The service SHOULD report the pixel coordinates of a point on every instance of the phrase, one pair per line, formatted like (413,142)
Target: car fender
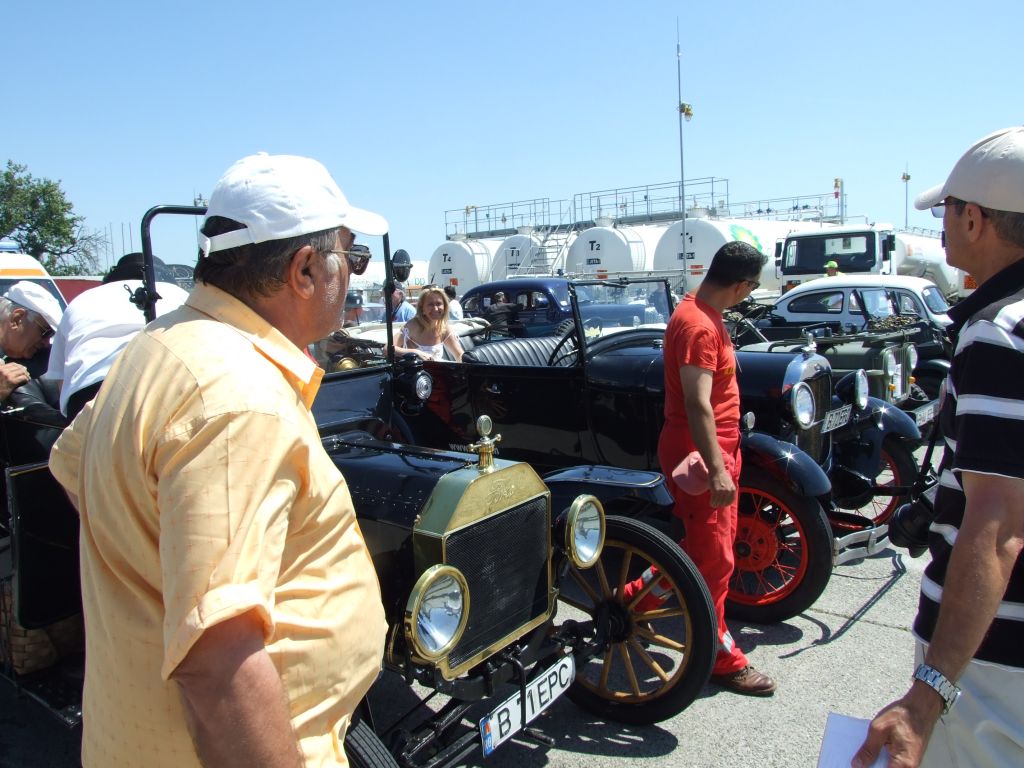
(892,420)
(616,488)
(794,468)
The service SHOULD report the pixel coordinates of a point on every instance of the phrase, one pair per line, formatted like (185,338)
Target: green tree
(36,215)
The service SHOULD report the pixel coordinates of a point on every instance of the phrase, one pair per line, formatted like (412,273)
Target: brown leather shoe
(748,681)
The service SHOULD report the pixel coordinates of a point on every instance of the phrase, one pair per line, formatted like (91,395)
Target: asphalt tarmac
(851,653)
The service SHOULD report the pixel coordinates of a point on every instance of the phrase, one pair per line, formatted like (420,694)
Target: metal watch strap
(931,677)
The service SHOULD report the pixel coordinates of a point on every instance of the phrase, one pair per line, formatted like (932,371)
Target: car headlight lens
(584,531)
(912,357)
(801,400)
(437,610)
(889,362)
(424,385)
(860,389)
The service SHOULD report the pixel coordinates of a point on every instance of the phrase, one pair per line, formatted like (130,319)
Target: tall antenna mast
(679,94)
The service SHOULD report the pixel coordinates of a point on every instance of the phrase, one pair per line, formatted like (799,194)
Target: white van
(20,266)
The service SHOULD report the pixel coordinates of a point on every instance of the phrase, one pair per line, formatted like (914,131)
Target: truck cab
(869,249)
(863,250)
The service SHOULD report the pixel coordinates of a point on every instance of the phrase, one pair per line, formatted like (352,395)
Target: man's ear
(976,221)
(301,271)
(18,315)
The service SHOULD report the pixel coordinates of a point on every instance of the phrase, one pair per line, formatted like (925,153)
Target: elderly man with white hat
(233,616)
(965,705)
(29,315)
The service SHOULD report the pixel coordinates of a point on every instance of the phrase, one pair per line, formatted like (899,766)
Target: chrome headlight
(912,357)
(437,611)
(889,362)
(423,386)
(584,531)
(801,401)
(860,389)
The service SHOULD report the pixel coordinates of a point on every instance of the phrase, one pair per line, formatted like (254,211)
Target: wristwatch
(931,677)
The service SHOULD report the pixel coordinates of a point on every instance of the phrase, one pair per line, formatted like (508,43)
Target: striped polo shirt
(983,420)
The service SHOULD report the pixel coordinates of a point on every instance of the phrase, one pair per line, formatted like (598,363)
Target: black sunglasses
(358,257)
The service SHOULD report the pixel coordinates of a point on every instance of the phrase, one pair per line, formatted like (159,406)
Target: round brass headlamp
(584,531)
(437,611)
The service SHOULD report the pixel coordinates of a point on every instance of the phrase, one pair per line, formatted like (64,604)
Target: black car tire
(632,680)
(783,551)
(364,750)
(899,460)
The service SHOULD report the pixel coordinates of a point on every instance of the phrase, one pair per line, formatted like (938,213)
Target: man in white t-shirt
(97,325)
(454,306)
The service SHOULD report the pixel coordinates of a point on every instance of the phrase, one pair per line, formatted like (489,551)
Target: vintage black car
(596,394)
(502,589)
(542,304)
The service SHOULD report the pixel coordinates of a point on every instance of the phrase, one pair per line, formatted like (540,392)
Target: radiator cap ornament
(484,447)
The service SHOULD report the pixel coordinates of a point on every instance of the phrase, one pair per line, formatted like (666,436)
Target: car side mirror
(401,265)
(888,246)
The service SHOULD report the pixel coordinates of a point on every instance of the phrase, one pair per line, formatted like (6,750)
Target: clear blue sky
(417,108)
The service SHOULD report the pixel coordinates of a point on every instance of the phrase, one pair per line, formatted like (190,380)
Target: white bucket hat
(33,296)
(282,196)
(990,174)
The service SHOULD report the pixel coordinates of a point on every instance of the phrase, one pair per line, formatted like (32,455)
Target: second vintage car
(596,394)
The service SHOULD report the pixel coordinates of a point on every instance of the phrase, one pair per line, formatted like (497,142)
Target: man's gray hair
(1009,225)
(7,306)
(255,269)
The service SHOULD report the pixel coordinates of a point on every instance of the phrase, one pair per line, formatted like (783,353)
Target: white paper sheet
(843,737)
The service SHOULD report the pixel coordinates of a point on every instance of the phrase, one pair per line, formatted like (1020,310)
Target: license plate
(924,414)
(506,720)
(837,418)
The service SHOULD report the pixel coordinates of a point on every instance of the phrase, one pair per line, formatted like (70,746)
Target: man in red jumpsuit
(702,413)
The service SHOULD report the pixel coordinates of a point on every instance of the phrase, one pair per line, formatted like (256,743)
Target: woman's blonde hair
(440,326)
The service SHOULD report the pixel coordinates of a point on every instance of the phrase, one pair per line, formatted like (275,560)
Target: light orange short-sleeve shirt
(204,493)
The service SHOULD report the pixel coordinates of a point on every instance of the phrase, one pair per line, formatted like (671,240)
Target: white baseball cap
(33,296)
(990,174)
(282,196)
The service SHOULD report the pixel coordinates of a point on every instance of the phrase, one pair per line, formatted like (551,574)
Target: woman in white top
(428,334)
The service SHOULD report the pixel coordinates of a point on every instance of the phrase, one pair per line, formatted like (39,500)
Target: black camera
(909,524)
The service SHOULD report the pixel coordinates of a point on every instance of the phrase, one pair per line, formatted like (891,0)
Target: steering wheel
(565,349)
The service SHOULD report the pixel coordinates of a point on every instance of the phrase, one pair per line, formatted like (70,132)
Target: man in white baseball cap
(29,315)
(235,616)
(970,626)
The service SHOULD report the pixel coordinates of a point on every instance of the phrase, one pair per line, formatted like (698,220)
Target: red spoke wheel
(658,656)
(783,551)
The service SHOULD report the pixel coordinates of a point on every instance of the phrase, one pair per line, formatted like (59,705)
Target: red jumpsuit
(696,336)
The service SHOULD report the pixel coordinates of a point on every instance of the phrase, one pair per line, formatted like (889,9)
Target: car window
(935,300)
(46,283)
(539,300)
(877,300)
(472,304)
(816,303)
(908,304)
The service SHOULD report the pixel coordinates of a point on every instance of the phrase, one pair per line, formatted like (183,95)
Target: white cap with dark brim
(33,296)
(282,196)
(990,174)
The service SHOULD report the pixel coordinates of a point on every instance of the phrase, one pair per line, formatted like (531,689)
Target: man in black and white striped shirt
(970,621)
